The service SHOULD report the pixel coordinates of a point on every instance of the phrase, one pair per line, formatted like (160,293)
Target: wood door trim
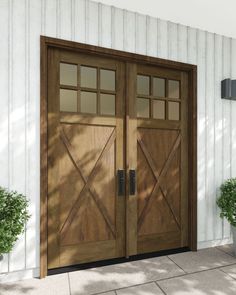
(48,42)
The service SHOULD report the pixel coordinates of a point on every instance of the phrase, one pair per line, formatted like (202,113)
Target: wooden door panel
(86,217)
(159,242)
(92,214)
(157,211)
(89,252)
(88,224)
(87,220)
(161,160)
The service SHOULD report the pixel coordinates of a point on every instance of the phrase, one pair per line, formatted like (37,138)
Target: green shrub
(13,216)
(227,201)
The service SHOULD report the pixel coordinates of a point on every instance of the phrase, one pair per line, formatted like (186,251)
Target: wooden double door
(117,158)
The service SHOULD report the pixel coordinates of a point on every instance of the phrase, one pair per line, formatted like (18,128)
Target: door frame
(48,42)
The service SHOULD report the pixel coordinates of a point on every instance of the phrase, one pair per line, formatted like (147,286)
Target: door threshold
(114,261)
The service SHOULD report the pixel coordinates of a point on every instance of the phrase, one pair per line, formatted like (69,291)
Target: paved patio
(209,271)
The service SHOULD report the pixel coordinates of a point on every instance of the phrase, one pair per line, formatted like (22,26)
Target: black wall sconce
(228,89)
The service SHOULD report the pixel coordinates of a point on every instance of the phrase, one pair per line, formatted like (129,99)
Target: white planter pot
(233,228)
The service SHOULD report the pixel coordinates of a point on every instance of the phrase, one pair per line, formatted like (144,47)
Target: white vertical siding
(17,118)
(4,105)
(210,122)
(151,36)
(201,144)
(129,31)
(22,22)
(80,21)
(172,41)
(182,43)
(141,34)
(105,27)
(162,39)
(32,131)
(66,19)
(226,122)
(117,28)
(92,23)
(233,113)
(49,17)
(218,129)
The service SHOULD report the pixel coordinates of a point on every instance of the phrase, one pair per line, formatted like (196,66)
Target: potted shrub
(227,204)
(13,216)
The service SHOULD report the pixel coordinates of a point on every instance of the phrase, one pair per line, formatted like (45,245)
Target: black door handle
(132,182)
(121,182)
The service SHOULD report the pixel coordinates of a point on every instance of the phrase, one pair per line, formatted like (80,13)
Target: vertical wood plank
(65,19)
(129,31)
(92,23)
(152,36)
(51,10)
(117,28)
(201,61)
(226,123)
(172,41)
(210,134)
(4,106)
(233,112)
(105,26)
(192,46)
(80,15)
(141,34)
(73,5)
(182,34)
(162,38)
(218,140)
(192,58)
(17,120)
(32,129)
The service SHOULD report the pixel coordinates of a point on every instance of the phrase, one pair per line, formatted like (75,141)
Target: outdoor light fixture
(228,89)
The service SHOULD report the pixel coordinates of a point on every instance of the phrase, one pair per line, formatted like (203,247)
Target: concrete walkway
(209,271)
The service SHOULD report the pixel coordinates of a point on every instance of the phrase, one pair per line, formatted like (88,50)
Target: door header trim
(121,55)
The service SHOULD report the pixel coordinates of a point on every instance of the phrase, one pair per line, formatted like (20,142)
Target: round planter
(234,238)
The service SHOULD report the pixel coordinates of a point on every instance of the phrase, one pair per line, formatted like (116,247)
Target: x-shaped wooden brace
(87,183)
(159,178)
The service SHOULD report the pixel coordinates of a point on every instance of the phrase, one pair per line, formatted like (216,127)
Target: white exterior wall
(22,22)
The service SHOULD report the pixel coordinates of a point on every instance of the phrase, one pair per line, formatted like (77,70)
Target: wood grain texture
(164,193)
(163,156)
(84,153)
(131,156)
(131,159)
(43,160)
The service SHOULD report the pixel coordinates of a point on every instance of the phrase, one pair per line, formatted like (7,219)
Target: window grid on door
(87,89)
(158,98)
